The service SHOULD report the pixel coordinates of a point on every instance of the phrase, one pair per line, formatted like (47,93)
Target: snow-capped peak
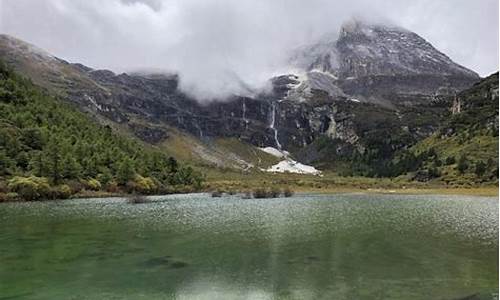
(364,49)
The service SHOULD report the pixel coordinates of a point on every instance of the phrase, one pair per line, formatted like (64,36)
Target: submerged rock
(165,261)
(157,261)
(178,264)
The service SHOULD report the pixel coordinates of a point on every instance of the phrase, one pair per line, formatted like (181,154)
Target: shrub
(463,165)
(433,172)
(480,168)
(8,197)
(141,185)
(75,186)
(274,193)
(104,177)
(3,187)
(3,197)
(61,192)
(131,187)
(30,188)
(92,184)
(112,187)
(263,193)
(259,193)
(144,185)
(137,199)
(217,194)
(287,192)
(450,160)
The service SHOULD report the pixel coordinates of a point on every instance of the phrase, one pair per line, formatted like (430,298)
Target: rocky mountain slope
(370,93)
(465,147)
(377,63)
(373,49)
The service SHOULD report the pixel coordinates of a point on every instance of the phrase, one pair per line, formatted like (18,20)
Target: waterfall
(200,132)
(272,125)
(244,116)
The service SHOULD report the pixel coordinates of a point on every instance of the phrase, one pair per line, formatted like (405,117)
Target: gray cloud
(221,47)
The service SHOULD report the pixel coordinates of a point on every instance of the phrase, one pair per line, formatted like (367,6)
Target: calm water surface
(351,246)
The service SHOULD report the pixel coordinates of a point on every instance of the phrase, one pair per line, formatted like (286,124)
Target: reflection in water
(197,247)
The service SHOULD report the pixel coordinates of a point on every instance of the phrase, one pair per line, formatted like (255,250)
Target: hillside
(49,149)
(464,150)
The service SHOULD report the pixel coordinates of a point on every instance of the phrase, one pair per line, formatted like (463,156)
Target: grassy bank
(332,183)
(232,182)
(490,191)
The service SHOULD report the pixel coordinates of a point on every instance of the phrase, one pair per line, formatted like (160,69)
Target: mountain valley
(367,103)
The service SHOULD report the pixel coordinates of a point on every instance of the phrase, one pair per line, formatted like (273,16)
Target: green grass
(475,148)
(227,180)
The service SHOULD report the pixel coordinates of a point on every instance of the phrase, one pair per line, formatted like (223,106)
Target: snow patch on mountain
(303,86)
(292,166)
(288,165)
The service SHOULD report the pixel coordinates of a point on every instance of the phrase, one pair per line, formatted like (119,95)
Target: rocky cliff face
(373,87)
(475,109)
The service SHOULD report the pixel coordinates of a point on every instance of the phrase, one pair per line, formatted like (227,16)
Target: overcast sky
(211,42)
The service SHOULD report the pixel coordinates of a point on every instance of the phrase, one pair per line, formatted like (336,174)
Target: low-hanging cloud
(224,47)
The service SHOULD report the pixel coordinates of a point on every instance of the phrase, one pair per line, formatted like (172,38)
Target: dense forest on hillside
(49,149)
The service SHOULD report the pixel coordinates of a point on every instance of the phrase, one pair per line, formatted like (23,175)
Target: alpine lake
(309,246)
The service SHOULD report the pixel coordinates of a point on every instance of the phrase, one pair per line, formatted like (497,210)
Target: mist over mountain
(354,95)
(220,48)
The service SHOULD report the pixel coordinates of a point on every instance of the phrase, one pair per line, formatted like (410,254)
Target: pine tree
(480,168)
(6,164)
(125,171)
(54,158)
(38,164)
(32,137)
(462,165)
(450,160)
(71,169)
(172,165)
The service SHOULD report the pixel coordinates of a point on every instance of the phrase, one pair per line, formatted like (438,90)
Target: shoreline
(475,191)
(478,191)
(487,191)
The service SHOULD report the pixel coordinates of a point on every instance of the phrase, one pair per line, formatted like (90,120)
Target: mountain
(149,106)
(377,50)
(379,63)
(373,91)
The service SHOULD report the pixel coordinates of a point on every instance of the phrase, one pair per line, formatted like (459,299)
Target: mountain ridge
(296,114)
(363,57)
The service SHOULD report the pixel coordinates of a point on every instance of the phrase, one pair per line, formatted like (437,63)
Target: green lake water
(347,246)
